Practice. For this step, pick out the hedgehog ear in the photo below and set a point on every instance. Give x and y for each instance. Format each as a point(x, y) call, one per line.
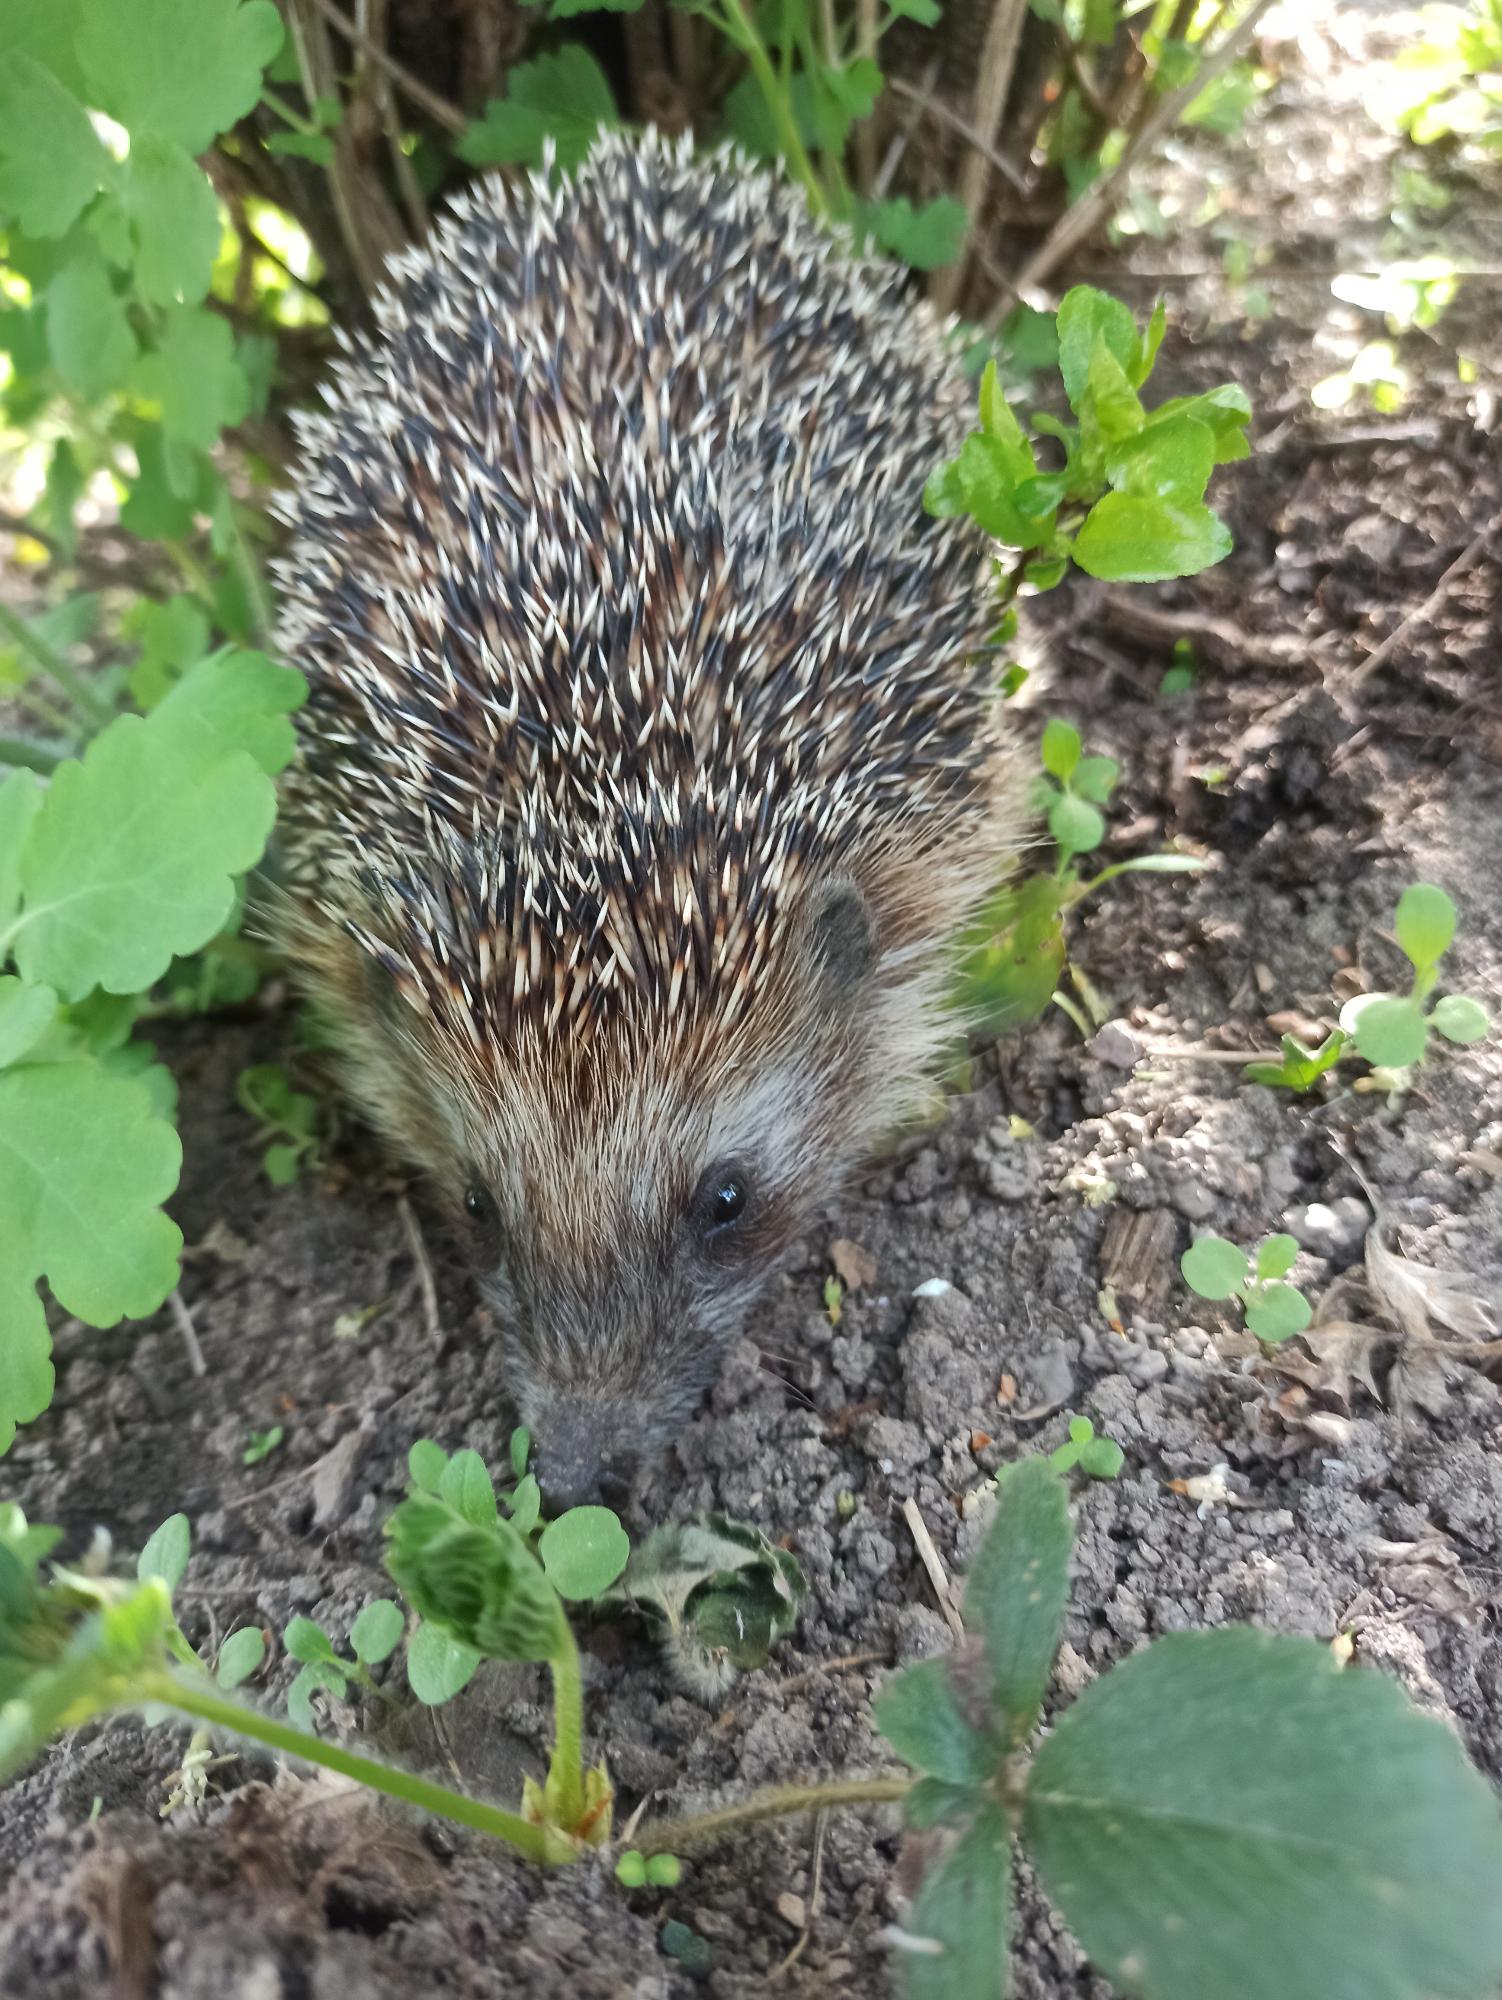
point(842, 938)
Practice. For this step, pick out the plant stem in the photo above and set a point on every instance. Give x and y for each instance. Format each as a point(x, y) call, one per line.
point(740, 29)
point(247, 562)
point(566, 1767)
point(24, 753)
point(292, 117)
point(55, 667)
point(670, 1836)
point(206, 1706)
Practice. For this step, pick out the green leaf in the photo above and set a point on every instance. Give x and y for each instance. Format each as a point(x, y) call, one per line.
point(1147, 347)
point(376, 1632)
point(166, 1552)
point(583, 1552)
point(519, 1450)
point(1277, 1256)
point(281, 1162)
point(565, 10)
point(1060, 749)
point(173, 636)
point(1460, 1019)
point(26, 1372)
point(321, 1677)
point(1077, 826)
point(480, 1584)
point(75, 1141)
point(26, 1013)
point(179, 69)
point(1094, 778)
point(925, 238)
point(315, 146)
point(425, 1465)
point(175, 218)
point(525, 1504)
point(152, 509)
point(718, 1584)
point(1230, 1813)
point(1017, 1588)
point(240, 1656)
point(1084, 316)
point(1300, 1068)
point(195, 377)
point(1011, 956)
point(1276, 1312)
point(233, 701)
point(1169, 461)
point(1214, 1268)
point(51, 162)
point(1112, 403)
point(919, 1714)
point(88, 335)
point(438, 1666)
point(631, 1869)
point(467, 1488)
point(1425, 925)
point(957, 1928)
point(20, 801)
point(926, 13)
point(307, 1641)
point(131, 860)
point(563, 95)
point(1133, 538)
point(1389, 1029)
point(1102, 1458)
point(1225, 412)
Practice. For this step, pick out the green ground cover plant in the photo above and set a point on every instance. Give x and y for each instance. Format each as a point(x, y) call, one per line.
point(1391, 1031)
point(1356, 1856)
point(1218, 1270)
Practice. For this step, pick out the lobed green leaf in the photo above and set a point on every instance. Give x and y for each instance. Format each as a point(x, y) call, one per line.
point(919, 1713)
point(1015, 1594)
point(1229, 1812)
point(955, 1938)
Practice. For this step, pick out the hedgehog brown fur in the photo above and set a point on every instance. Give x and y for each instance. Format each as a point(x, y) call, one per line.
point(651, 757)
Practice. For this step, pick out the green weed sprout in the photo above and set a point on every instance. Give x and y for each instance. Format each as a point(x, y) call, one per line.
point(1358, 1859)
point(288, 1118)
point(1096, 1457)
point(1391, 1030)
point(1217, 1270)
point(1011, 957)
point(1127, 504)
point(374, 1636)
point(1298, 1068)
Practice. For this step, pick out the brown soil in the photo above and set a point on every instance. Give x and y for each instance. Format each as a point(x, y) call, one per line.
point(1318, 796)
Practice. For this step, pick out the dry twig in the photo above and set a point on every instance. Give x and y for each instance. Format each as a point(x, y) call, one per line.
point(938, 1576)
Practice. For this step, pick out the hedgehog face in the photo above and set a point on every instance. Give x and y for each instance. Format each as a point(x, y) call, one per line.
point(625, 1210)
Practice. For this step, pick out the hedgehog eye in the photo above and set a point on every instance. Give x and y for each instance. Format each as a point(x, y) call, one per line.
point(721, 1200)
point(481, 1213)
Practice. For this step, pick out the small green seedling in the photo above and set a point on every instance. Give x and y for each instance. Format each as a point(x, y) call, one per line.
point(636, 1870)
point(1219, 1270)
point(374, 1637)
point(1011, 958)
point(1391, 1030)
point(262, 1444)
point(165, 1557)
point(286, 1116)
point(1096, 1457)
point(1299, 1069)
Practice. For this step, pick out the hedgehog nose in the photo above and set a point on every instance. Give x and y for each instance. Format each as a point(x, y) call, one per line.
point(573, 1470)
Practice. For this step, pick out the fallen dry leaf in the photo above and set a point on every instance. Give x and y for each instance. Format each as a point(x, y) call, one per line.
point(855, 1266)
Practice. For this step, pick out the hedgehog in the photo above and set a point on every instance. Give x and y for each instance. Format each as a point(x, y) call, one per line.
point(652, 756)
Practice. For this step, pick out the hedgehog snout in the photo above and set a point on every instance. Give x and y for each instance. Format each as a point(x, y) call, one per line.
point(577, 1466)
